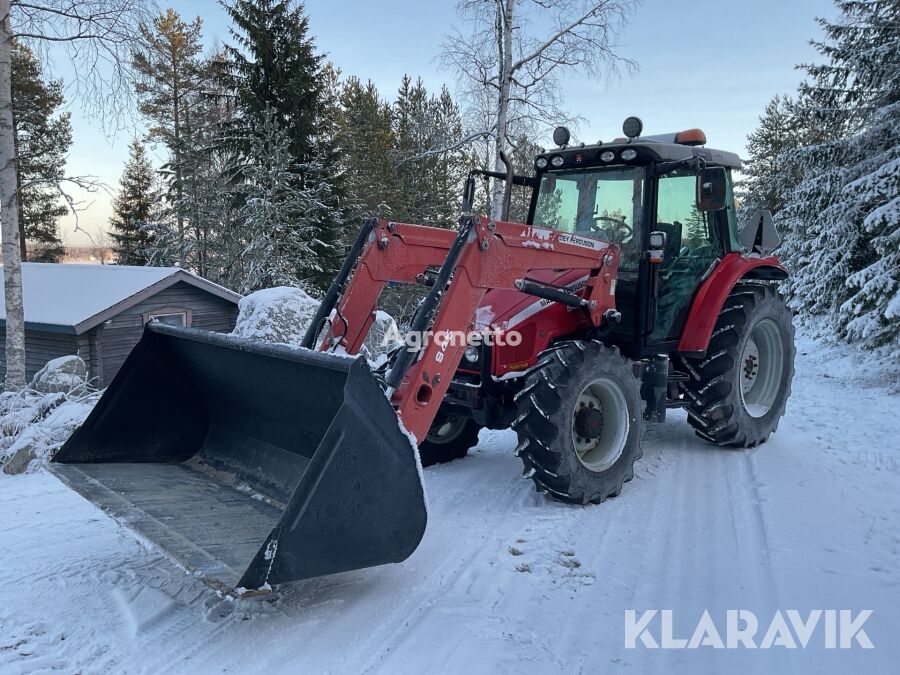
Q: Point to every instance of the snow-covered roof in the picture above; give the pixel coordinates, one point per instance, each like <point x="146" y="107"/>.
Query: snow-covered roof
<point x="75" y="298"/>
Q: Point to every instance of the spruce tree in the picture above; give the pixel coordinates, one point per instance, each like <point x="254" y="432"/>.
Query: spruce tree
<point x="276" y="69"/>
<point x="767" y="177"/>
<point x="43" y="136"/>
<point x="453" y="165"/>
<point x="133" y="210"/>
<point x="279" y="213"/>
<point x="366" y="141"/>
<point x="430" y="175"/>
<point x="278" y="77"/>
<point x="412" y="129"/>
<point x="844" y="217"/>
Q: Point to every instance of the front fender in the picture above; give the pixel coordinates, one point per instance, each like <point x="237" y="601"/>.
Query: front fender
<point x="712" y="293"/>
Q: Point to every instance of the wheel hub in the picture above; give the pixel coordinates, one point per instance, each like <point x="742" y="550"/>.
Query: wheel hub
<point x="750" y="368"/>
<point x="588" y="421"/>
<point x="600" y="424"/>
<point x="447" y="429"/>
<point x="762" y="365"/>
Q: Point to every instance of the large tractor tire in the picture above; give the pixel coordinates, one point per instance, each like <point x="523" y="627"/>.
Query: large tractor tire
<point x="450" y="437"/>
<point x="579" y="422"/>
<point x="737" y="393"/>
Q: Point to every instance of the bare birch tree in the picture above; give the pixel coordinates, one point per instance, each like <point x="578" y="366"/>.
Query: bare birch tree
<point x="98" y="36"/>
<point x="511" y="62"/>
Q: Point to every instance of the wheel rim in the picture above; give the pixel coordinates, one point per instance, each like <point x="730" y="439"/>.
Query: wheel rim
<point x="447" y="429"/>
<point x="600" y="424"/>
<point x="762" y="364"/>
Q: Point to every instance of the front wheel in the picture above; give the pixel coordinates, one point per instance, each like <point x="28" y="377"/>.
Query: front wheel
<point x="736" y="395"/>
<point x="450" y="437"/>
<point x="579" y="422"/>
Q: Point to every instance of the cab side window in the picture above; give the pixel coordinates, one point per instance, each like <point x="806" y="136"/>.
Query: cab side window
<point x="688" y="230"/>
<point x="691" y="247"/>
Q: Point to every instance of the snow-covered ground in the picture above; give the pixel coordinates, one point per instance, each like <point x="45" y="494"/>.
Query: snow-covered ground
<point x="506" y="580"/>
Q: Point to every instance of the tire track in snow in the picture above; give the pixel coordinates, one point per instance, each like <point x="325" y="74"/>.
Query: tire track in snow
<point x="713" y="552"/>
<point x="486" y="583"/>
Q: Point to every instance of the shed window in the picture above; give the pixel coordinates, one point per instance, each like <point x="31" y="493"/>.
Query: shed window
<point x="171" y="318"/>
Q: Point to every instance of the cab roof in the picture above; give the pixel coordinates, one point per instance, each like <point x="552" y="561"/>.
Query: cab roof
<point x="661" y="148"/>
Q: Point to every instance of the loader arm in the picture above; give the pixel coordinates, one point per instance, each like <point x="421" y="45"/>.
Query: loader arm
<point x="483" y="254"/>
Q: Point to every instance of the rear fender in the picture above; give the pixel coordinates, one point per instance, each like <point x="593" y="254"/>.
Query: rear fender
<point x="711" y="295"/>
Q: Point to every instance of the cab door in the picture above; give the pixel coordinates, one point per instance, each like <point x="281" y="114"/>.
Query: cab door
<point x="693" y="245"/>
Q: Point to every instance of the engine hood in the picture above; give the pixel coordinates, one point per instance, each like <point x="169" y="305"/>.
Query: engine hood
<point x="504" y="309"/>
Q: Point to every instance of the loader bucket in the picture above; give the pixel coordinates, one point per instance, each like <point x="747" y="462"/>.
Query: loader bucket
<point x="249" y="464"/>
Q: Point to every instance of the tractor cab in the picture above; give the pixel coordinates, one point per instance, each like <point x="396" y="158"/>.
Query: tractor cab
<point x="665" y="200"/>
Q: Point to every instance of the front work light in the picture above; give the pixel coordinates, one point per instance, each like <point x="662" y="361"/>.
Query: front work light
<point x="632" y="127"/>
<point x="561" y="136"/>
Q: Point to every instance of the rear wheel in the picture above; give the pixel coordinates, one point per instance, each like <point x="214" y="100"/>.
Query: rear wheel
<point x="450" y="437"/>
<point x="579" y="422"/>
<point x="737" y="394"/>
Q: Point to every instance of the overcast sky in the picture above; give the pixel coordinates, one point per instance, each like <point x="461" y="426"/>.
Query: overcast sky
<point x="711" y="64"/>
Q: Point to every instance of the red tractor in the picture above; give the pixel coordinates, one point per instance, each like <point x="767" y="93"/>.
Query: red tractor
<point x="629" y="290"/>
<point x="698" y="322"/>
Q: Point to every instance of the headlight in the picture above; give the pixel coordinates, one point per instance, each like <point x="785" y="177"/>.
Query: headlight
<point x="629" y="154"/>
<point x="541" y="162"/>
<point x="607" y="156"/>
<point x="557" y="161"/>
<point x="471" y="354"/>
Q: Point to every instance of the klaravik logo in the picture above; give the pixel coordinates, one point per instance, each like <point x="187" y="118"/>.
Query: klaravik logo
<point x="830" y="628"/>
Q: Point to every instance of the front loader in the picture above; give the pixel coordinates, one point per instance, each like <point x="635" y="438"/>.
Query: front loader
<point x="629" y="290"/>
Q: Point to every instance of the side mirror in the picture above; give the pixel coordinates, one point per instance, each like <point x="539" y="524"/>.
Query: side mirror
<point x="711" y="183"/>
<point x="657" y="240"/>
<point x="657" y="246"/>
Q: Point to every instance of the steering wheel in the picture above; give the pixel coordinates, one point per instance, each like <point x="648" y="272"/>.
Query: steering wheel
<point x="618" y="233"/>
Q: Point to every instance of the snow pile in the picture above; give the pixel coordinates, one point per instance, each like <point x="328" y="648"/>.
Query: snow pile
<point x="281" y="315"/>
<point x="856" y="364"/>
<point x="34" y="422"/>
<point x="278" y="315"/>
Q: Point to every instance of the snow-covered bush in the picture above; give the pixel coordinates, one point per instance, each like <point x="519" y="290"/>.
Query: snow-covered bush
<point x="34" y="422"/>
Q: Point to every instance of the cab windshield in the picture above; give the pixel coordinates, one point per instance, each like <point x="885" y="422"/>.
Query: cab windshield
<point x="602" y="203"/>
